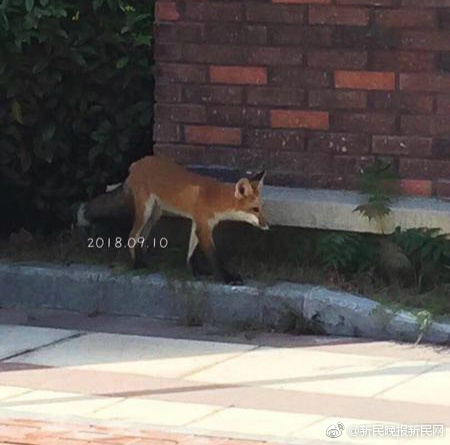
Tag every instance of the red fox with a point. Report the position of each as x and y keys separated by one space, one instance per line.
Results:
x=157 y=185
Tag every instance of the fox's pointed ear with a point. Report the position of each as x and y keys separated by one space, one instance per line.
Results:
x=243 y=188
x=257 y=179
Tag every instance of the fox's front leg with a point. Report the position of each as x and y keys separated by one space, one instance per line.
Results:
x=206 y=242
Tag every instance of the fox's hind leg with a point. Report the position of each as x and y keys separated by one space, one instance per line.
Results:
x=145 y=216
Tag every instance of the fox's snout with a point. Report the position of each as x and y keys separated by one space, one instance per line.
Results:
x=263 y=223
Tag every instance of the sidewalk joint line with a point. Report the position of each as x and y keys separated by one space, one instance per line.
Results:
x=38 y=348
x=216 y=411
x=203 y=368
x=406 y=380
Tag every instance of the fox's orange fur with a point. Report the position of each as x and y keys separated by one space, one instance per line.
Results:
x=158 y=185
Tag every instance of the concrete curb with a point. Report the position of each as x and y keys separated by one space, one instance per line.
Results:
x=281 y=307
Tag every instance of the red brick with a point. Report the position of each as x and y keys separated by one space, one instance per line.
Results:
x=343 y=143
x=416 y=187
x=164 y=132
x=442 y=188
x=366 y=80
x=402 y=145
x=178 y=32
x=365 y=37
x=426 y=40
x=214 y=12
x=256 y=117
x=443 y=104
x=307 y=36
x=238 y=75
x=337 y=59
x=227 y=115
x=180 y=113
x=302 y=2
x=427 y=125
x=429 y=3
x=275 y=55
x=274 y=13
x=185 y=154
x=351 y=165
x=223 y=115
x=425 y=82
x=232 y=34
x=406 y=18
x=178 y=72
x=167 y=51
x=167 y=93
x=236 y=157
x=275 y=96
x=221 y=54
x=364 y=122
x=441 y=148
x=166 y=11
x=335 y=15
x=405 y=102
x=296 y=77
x=212 y=135
x=424 y=169
x=299 y=119
x=276 y=139
x=212 y=94
x=237 y=116
x=367 y=2
x=306 y=164
x=337 y=99
x=403 y=61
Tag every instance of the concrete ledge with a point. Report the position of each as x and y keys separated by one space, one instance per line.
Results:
x=334 y=210
x=282 y=307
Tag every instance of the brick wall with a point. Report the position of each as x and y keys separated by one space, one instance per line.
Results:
x=311 y=90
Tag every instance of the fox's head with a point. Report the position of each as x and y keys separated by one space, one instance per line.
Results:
x=248 y=200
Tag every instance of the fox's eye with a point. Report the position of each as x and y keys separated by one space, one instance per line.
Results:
x=255 y=209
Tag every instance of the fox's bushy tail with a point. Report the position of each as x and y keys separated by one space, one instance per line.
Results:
x=117 y=202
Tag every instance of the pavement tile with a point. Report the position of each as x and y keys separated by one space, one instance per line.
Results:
x=313 y=371
x=17 y=339
x=156 y=412
x=432 y=387
x=135 y=355
x=255 y=422
x=57 y=403
x=7 y=392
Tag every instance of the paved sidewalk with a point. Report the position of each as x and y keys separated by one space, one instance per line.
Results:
x=279 y=388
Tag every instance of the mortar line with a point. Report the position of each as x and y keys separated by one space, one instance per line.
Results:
x=38 y=348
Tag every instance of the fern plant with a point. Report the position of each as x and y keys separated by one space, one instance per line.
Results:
x=429 y=252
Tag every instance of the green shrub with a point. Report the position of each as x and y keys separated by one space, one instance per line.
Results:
x=429 y=253
x=346 y=252
x=75 y=99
